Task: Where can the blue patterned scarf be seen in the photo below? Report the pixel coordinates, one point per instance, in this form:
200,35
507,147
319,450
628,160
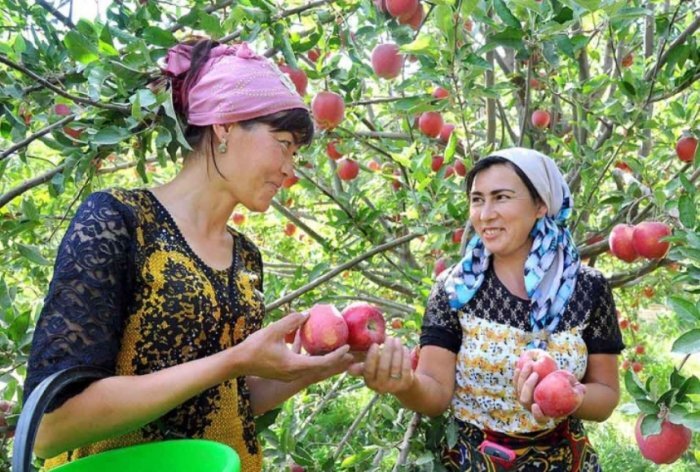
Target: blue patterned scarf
553,262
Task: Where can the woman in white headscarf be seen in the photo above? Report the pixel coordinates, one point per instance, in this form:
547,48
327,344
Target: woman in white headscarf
520,286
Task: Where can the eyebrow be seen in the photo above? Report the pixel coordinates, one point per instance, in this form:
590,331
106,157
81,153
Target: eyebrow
493,192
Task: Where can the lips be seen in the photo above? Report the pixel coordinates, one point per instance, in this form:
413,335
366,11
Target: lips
491,232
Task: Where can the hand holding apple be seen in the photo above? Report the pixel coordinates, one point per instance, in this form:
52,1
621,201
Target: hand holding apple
558,395
387,368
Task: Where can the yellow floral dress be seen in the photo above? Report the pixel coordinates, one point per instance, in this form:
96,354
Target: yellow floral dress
129,294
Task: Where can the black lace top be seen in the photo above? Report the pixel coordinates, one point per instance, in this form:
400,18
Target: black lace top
491,330
128,294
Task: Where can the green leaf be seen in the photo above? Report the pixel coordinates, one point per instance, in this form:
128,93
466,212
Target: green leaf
451,433
163,136
80,48
110,135
565,45
634,387
691,386
505,14
685,309
651,424
451,146
648,407
692,421
18,327
687,343
687,211
32,253
159,37
422,44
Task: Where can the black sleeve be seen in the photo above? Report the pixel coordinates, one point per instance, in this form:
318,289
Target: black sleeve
81,322
440,323
602,335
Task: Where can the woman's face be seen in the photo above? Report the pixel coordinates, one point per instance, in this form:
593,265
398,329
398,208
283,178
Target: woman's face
503,212
256,163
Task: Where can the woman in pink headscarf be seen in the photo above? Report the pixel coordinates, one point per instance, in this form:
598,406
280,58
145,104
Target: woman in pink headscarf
153,285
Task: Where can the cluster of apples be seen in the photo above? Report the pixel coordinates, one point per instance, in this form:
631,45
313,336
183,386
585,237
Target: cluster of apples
629,242
557,392
406,12
326,329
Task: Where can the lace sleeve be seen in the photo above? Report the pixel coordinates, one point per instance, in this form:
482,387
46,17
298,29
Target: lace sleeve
82,318
440,323
602,335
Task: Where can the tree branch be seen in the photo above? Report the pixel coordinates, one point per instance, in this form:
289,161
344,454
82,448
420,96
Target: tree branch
405,444
29,184
62,122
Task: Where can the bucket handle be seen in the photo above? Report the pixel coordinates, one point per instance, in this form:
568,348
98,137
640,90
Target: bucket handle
35,406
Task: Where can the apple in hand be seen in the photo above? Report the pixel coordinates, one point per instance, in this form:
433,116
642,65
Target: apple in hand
559,394
665,447
324,330
542,363
366,325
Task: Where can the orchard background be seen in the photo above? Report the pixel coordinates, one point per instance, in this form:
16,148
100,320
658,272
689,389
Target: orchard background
618,80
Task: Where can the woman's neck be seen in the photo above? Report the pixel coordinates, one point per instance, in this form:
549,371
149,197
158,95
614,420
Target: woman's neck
510,271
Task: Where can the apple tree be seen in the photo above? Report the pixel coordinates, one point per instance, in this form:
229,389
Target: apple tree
407,95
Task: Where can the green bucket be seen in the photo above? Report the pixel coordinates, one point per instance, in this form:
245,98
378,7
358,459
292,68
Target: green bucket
180,455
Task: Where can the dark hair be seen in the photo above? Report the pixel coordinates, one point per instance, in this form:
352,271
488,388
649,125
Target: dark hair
490,161
296,121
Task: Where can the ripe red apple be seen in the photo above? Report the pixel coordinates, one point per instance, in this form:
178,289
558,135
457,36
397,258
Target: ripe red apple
639,349
559,393
620,241
536,84
397,323
440,93
366,325
686,147
289,181
637,367
348,169
386,60
436,163
623,166
446,131
627,60
61,109
238,218
74,133
626,364
646,239
440,265
430,123
328,109
373,165
457,235
665,447
290,228
542,363
624,324
449,171
415,20
415,357
313,55
298,78
401,8
540,119
332,151
324,331
460,168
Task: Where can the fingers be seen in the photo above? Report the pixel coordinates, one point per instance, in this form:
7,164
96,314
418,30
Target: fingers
371,363
537,413
528,388
290,322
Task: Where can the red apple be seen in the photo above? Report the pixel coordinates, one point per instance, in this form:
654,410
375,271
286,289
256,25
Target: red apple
440,93
536,84
366,325
624,324
446,131
415,357
646,239
324,331
386,60
296,468
440,265
332,151
639,349
402,9
686,147
626,364
298,78
430,123
559,393
637,367
290,228
348,169
328,109
436,163
623,167
449,171
457,235
620,241
289,181
373,165
74,133
397,323
540,119
665,447
627,60
416,19
460,168
61,109
6,410
542,363
313,55
238,218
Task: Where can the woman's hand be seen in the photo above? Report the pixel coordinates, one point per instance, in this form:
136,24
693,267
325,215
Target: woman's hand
525,381
266,355
387,368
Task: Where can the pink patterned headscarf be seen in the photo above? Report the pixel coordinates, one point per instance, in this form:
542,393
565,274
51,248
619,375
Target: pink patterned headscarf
234,84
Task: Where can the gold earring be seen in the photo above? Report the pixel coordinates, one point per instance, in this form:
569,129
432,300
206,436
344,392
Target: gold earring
222,147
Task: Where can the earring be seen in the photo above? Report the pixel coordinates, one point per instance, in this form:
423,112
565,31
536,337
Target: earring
222,147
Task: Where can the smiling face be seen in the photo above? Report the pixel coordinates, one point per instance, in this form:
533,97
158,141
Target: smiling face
503,212
256,163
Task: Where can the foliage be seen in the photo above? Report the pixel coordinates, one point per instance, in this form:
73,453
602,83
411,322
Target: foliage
619,78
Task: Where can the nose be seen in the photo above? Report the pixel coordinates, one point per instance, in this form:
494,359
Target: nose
288,167
487,211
